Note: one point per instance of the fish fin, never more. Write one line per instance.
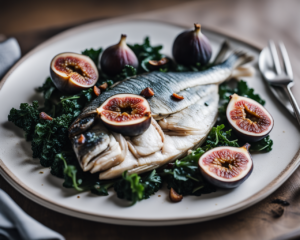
(238, 58)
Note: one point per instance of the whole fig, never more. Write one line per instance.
(192, 47)
(115, 57)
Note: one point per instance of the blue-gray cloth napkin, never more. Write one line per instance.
(15, 224)
(10, 52)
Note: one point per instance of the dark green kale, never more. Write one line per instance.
(198, 67)
(70, 173)
(93, 54)
(50, 137)
(264, 145)
(47, 88)
(152, 183)
(245, 91)
(185, 178)
(74, 177)
(26, 118)
(217, 137)
(74, 104)
(145, 52)
(57, 167)
(135, 188)
(100, 188)
(127, 71)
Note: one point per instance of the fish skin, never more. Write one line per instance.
(194, 118)
(164, 85)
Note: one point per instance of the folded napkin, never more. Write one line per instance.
(10, 52)
(17, 225)
(14, 223)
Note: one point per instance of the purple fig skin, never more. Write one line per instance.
(248, 138)
(131, 130)
(115, 57)
(192, 47)
(226, 185)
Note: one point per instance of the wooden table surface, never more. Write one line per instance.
(255, 21)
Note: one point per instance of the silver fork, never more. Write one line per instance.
(283, 79)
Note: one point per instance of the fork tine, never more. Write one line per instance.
(274, 56)
(286, 60)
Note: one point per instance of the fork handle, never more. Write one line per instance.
(293, 102)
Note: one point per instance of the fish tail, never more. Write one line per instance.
(236, 59)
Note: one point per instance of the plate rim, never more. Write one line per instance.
(40, 199)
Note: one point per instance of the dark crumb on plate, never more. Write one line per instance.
(41, 172)
(159, 195)
(78, 196)
(281, 202)
(42, 184)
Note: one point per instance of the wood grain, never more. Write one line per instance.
(256, 21)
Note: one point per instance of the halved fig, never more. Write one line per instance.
(226, 167)
(128, 114)
(249, 119)
(73, 72)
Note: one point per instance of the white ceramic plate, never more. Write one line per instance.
(19, 169)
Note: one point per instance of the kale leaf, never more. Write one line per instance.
(217, 137)
(74, 104)
(70, 173)
(135, 188)
(127, 71)
(93, 54)
(185, 178)
(145, 52)
(26, 118)
(264, 145)
(100, 188)
(50, 137)
(47, 88)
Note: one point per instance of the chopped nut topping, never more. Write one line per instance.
(147, 92)
(97, 91)
(177, 97)
(81, 139)
(103, 86)
(161, 62)
(45, 116)
(174, 196)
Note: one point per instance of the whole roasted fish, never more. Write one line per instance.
(164, 85)
(176, 127)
